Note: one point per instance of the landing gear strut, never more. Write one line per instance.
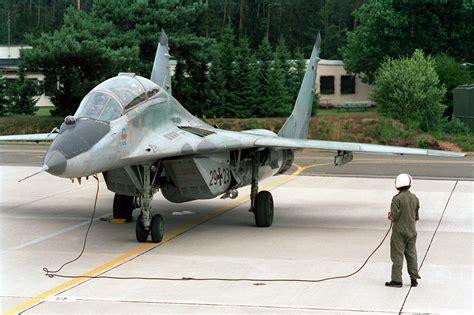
(146, 223)
(261, 203)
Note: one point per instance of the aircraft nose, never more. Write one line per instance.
(56, 162)
(75, 137)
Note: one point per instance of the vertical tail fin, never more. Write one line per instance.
(296, 126)
(161, 74)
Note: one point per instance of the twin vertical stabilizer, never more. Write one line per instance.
(161, 74)
(296, 126)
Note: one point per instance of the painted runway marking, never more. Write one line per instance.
(43, 238)
(85, 185)
(38, 299)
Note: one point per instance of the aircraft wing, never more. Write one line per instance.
(279, 142)
(30, 137)
(199, 140)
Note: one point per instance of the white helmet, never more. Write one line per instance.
(403, 180)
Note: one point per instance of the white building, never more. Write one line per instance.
(9, 58)
(336, 87)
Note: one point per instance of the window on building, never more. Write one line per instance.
(326, 84)
(348, 84)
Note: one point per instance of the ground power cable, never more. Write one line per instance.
(55, 273)
(52, 273)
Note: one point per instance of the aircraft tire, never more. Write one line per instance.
(140, 232)
(123, 207)
(157, 228)
(263, 209)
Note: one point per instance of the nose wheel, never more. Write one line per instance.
(140, 231)
(156, 229)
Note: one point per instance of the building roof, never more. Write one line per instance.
(329, 62)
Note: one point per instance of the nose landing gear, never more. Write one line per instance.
(148, 224)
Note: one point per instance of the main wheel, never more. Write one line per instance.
(157, 228)
(263, 209)
(123, 207)
(140, 232)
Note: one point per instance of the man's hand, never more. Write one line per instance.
(389, 216)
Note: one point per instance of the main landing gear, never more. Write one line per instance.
(261, 203)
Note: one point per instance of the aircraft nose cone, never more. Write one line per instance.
(56, 162)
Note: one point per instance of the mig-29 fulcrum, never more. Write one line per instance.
(134, 132)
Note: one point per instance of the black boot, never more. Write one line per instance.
(393, 284)
(414, 282)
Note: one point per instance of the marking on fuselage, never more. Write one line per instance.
(130, 131)
(123, 137)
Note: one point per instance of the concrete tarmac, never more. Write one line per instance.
(324, 226)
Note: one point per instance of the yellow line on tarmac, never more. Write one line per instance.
(167, 237)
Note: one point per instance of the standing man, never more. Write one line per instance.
(404, 214)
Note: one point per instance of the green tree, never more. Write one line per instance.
(277, 102)
(85, 51)
(408, 89)
(388, 28)
(297, 71)
(283, 56)
(450, 74)
(190, 81)
(23, 95)
(264, 62)
(379, 27)
(216, 84)
(117, 36)
(335, 21)
(245, 81)
(227, 62)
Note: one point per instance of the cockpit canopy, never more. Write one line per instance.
(110, 99)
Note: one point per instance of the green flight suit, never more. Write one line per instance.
(404, 214)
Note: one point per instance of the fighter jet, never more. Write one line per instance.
(133, 131)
